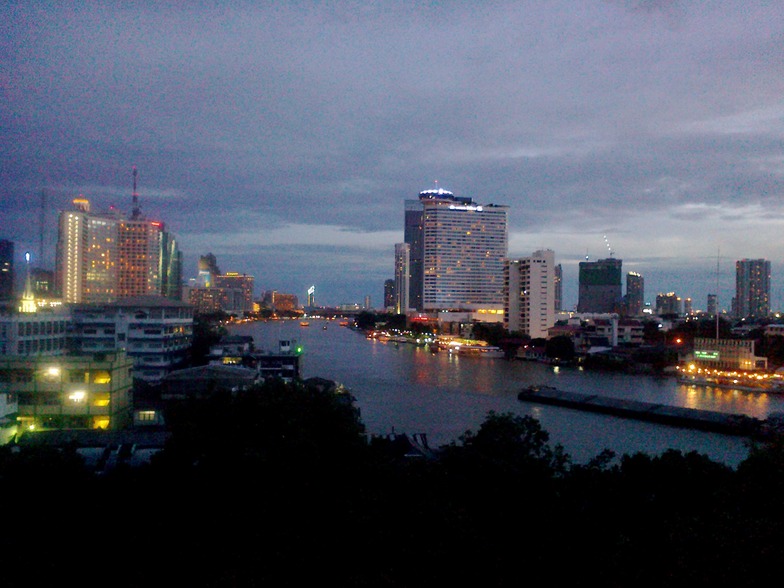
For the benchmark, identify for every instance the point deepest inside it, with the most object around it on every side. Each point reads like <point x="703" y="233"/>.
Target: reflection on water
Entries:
<point x="406" y="388"/>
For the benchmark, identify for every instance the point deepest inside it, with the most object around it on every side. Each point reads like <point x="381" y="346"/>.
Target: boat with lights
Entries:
<point x="746" y="381"/>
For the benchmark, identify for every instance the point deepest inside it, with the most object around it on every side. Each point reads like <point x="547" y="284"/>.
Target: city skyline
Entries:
<point x="285" y="139"/>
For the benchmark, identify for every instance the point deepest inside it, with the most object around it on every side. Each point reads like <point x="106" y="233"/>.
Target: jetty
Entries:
<point x="676" y="416"/>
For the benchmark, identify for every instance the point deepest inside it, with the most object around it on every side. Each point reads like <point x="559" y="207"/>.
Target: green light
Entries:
<point x="299" y="349"/>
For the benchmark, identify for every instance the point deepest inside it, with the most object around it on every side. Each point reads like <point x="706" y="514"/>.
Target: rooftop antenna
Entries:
<point x="136" y="213"/>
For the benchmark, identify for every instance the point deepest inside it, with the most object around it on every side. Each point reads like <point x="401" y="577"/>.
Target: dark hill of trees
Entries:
<point x="280" y="486"/>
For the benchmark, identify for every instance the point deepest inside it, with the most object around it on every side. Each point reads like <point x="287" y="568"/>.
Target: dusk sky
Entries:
<point x="284" y="137"/>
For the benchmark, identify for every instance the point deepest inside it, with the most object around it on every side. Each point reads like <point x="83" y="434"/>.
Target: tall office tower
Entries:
<point x="105" y="257"/>
<point x="558" y="288"/>
<point x="713" y="304"/>
<point x="402" y="277"/>
<point x="669" y="303"/>
<point x="208" y="270"/>
<point x="529" y="291"/>
<point x="101" y="259"/>
<point x="139" y="249"/>
<point x="413" y="234"/>
<point x="367" y="302"/>
<point x="311" y="296"/>
<point x="71" y="264"/>
<point x="752" y="288"/>
<point x="635" y="294"/>
<point x="241" y="282"/>
<point x="464" y="247"/>
<point x="600" y="286"/>
<point x="6" y="269"/>
<point x="389" y="293"/>
<point x="171" y="267"/>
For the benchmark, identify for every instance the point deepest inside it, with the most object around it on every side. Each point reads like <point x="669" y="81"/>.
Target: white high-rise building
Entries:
<point x="402" y="275"/>
<point x="464" y="251"/>
<point x="529" y="288"/>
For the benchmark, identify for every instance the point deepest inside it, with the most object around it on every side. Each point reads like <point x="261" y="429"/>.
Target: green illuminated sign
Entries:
<point x="714" y="355"/>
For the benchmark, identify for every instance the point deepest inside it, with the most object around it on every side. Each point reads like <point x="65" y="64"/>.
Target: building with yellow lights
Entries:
<point x="91" y="391"/>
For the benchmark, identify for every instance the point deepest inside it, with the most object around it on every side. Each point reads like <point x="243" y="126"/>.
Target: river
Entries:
<point x="403" y="388"/>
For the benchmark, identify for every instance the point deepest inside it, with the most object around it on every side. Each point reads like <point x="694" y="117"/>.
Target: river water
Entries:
<point x="402" y="388"/>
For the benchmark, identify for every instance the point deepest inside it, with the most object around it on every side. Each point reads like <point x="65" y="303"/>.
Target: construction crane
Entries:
<point x="607" y="242"/>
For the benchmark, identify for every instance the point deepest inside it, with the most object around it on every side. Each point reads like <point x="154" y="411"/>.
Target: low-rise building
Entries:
<point x="86" y="391"/>
<point x="156" y="332"/>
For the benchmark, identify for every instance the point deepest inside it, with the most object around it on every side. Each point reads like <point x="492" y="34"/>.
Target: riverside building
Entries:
<point x="529" y="291"/>
<point x="464" y="248"/>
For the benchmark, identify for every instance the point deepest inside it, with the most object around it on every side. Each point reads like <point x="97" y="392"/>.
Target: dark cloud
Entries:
<point x="658" y="122"/>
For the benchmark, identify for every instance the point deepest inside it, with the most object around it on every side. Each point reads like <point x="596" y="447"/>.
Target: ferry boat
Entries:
<point x="304" y="324"/>
<point x="768" y="382"/>
<point x="488" y="351"/>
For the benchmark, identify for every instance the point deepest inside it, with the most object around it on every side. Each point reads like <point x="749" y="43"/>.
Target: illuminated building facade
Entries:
<point x="243" y="285"/>
<point x="106" y="257"/>
<point x="668" y="304"/>
<point x="69" y="392"/>
<point x="529" y="291"/>
<point x="402" y="277"/>
<point x="752" y="288"/>
<point x="464" y="252"/>
<point x="600" y="286"/>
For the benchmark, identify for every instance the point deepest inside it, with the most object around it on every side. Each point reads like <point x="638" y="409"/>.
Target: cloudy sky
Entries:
<point x="284" y="137"/>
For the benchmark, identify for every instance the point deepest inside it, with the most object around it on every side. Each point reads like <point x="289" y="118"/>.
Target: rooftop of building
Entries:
<point x="149" y="301"/>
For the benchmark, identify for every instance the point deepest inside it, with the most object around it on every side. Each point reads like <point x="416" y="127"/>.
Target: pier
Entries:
<point x="676" y="416"/>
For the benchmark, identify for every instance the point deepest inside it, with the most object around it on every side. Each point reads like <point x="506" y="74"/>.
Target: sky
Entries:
<point x="285" y="137"/>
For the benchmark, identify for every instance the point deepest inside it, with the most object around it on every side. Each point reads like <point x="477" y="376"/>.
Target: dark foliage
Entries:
<point x="280" y="486"/>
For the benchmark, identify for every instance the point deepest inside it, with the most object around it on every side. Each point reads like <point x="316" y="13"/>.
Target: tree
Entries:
<point x="560" y="347"/>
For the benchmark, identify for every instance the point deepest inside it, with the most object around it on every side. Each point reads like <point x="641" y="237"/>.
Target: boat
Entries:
<point x="489" y="351"/>
<point x="763" y="382"/>
<point x="304" y="324"/>
<point x="343" y="323"/>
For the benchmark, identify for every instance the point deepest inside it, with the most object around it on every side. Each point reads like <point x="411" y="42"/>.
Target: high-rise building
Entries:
<point x="752" y="288"/>
<point x="6" y="269"/>
<point x="208" y="270"/>
<point x="71" y="265"/>
<point x="600" y="286"/>
<point x="635" y="294"/>
<point x="402" y="277"/>
<point x="669" y="304"/>
<point x="139" y="258"/>
<point x="558" y="288"/>
<point x="464" y="251"/>
<point x="529" y="291"/>
<point x="712" y="304"/>
<point x="243" y="283"/>
<point x="413" y="235"/>
<point x="389" y="293"/>
<point x="688" y="307"/>
<point x="106" y="257"/>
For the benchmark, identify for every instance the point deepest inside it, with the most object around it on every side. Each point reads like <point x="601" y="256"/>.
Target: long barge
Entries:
<point x="692" y="418"/>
